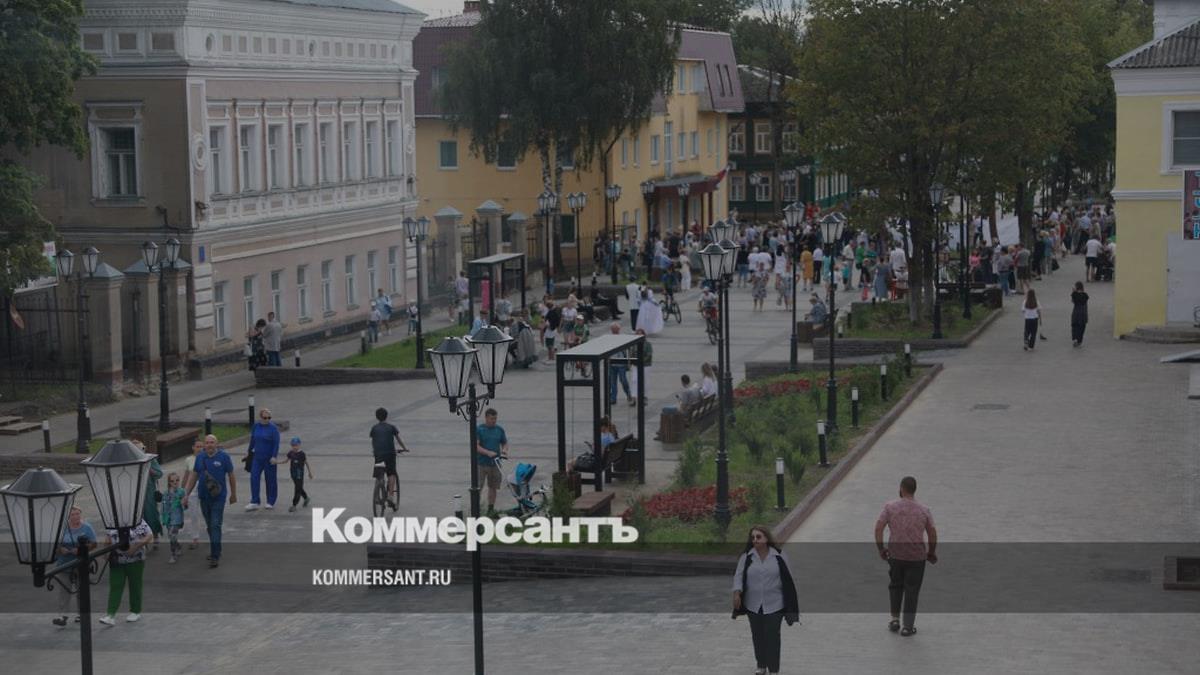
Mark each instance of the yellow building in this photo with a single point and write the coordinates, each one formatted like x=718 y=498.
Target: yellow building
x=684 y=142
x=1158 y=138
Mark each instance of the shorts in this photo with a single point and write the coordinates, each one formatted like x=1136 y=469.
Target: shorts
x=1090 y=261
x=1023 y=273
x=490 y=474
x=389 y=463
x=549 y=340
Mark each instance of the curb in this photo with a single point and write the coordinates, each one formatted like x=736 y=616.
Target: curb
x=788 y=526
x=983 y=325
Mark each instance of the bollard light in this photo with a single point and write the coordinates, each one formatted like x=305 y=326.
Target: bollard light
x=207 y=421
x=883 y=381
x=822 y=444
x=297 y=358
x=779 y=499
x=46 y=435
x=458 y=507
x=854 y=406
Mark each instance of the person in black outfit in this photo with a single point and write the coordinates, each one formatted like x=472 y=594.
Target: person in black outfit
x=1079 y=314
x=384 y=450
x=764 y=591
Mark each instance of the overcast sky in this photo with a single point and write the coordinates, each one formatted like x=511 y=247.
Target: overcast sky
x=435 y=8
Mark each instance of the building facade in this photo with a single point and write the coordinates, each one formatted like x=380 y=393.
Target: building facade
x=1158 y=138
x=274 y=138
x=683 y=142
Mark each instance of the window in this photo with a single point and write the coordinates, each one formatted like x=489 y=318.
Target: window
x=372 y=143
x=327 y=286
x=324 y=158
x=654 y=149
x=787 y=189
x=448 y=154
x=302 y=291
x=762 y=137
x=216 y=161
x=220 y=315
x=247 y=158
x=1185 y=137
x=737 y=188
x=248 y=301
x=437 y=78
x=681 y=78
x=699 y=82
x=566 y=155
x=300 y=142
x=277 y=294
x=351 y=287
x=371 y=273
x=506 y=156
x=637 y=150
x=393 y=269
x=695 y=144
x=737 y=139
x=350 y=169
x=668 y=153
x=275 y=157
x=568 y=229
x=624 y=152
x=393 y=147
x=709 y=142
x=682 y=140
x=120 y=162
x=791 y=138
x=762 y=189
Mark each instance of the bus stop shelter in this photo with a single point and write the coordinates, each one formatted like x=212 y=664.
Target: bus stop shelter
x=598 y=353
x=486 y=281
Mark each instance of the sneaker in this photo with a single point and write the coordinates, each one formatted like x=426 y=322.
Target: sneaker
x=894 y=625
x=252 y=506
x=292 y=508
x=107 y=620
x=213 y=562
x=391 y=505
x=632 y=402
x=306 y=501
x=59 y=621
x=908 y=630
x=173 y=560
x=270 y=507
x=133 y=617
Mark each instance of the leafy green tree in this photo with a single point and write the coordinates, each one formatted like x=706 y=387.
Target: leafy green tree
x=552 y=76
x=40 y=60
x=710 y=14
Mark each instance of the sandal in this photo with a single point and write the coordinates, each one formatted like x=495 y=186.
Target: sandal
x=894 y=625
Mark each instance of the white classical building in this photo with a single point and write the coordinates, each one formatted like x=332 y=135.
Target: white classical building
x=274 y=138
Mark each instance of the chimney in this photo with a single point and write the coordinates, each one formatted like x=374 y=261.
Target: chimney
x=470 y=6
x=1171 y=15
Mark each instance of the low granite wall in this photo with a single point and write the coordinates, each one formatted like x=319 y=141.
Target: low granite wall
x=309 y=377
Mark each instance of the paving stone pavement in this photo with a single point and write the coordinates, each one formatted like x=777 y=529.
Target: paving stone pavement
x=1097 y=444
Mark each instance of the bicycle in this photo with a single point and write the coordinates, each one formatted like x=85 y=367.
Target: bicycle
x=671 y=308
x=712 y=325
x=380 y=492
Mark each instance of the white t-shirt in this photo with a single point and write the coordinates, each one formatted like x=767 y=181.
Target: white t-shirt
x=1093 y=248
x=899 y=258
x=1030 y=313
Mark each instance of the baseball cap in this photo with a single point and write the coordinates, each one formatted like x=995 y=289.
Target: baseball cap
x=295 y=440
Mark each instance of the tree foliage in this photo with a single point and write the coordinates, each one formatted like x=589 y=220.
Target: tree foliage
x=40 y=59
x=710 y=14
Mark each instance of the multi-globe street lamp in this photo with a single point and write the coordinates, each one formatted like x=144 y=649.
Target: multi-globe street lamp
x=485 y=352
x=150 y=256
x=936 y=192
x=648 y=194
x=722 y=232
x=547 y=206
x=684 y=189
x=794 y=215
x=613 y=193
x=38 y=504
x=66 y=264
x=576 y=201
x=417 y=231
x=832 y=225
x=718 y=267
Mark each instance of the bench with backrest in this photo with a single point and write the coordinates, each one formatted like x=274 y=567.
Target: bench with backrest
x=624 y=453
x=698 y=415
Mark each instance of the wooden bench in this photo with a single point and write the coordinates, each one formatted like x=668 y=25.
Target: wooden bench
x=806 y=331
x=597 y=504
x=622 y=457
x=699 y=414
x=174 y=444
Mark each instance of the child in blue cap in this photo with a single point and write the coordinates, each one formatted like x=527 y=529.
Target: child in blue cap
x=297 y=465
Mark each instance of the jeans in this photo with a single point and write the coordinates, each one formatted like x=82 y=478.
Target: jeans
x=764 y=631
x=904 y=587
x=1031 y=332
x=1003 y=282
x=273 y=359
x=633 y=315
x=373 y=331
x=298 y=492
x=213 y=510
x=117 y=575
x=618 y=373
x=257 y=469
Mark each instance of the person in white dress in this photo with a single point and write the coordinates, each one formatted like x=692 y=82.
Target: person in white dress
x=685 y=270
x=650 y=317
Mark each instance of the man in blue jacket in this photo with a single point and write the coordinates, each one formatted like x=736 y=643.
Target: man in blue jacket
x=264 y=447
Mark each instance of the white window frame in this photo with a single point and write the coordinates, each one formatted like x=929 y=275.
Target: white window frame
x=393 y=269
x=791 y=138
x=500 y=165
x=637 y=150
x=249 y=282
x=276 y=281
x=763 y=143
x=303 y=175
x=737 y=139
x=681 y=139
x=654 y=144
x=277 y=157
x=123 y=157
x=699 y=82
x=219 y=178
x=392 y=130
x=371 y=143
x=96 y=128
x=1169 y=166
x=350 y=143
x=762 y=189
x=248 y=171
x=624 y=152
x=681 y=78
x=371 y=272
x=695 y=144
x=351 y=283
x=325 y=144
x=220 y=311
x=788 y=190
x=302 y=291
x=737 y=187
x=327 y=286
x=441 y=165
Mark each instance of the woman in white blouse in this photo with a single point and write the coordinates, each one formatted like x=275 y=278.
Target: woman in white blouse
x=763 y=590
x=708 y=383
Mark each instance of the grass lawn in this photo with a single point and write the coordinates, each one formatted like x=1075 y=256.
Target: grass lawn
x=886 y=320
x=221 y=431
x=37 y=401
x=401 y=354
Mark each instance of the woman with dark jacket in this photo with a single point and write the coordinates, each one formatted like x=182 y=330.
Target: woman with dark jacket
x=763 y=590
x=1079 y=314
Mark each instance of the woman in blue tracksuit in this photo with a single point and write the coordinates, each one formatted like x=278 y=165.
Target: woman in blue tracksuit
x=264 y=446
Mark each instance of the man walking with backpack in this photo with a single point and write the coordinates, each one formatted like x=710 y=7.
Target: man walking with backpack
x=906 y=553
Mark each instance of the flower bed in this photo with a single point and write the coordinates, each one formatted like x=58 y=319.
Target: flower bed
x=689 y=505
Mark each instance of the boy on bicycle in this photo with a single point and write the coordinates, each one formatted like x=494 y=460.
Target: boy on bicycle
x=670 y=280
x=382 y=446
x=708 y=304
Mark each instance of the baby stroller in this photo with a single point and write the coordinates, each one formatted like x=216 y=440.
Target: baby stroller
x=1104 y=266
x=523 y=350
x=529 y=502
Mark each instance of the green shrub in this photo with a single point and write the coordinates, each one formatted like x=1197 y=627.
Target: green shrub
x=562 y=499
x=814 y=394
x=795 y=463
x=757 y=497
x=691 y=462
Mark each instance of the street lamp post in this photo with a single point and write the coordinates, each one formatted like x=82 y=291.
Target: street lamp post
x=576 y=201
x=725 y=231
x=794 y=214
x=38 y=504
x=936 y=192
x=150 y=257
x=613 y=193
x=487 y=350
x=684 y=189
x=832 y=224
x=417 y=231
x=66 y=264
x=547 y=205
x=718 y=262
x=963 y=278
x=648 y=188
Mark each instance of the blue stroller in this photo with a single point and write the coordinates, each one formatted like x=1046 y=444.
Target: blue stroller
x=529 y=502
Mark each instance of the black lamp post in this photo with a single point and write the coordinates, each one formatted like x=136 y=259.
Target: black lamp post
x=576 y=201
x=66 y=264
x=832 y=224
x=794 y=214
x=487 y=351
x=684 y=189
x=417 y=231
x=648 y=189
x=548 y=205
x=150 y=257
x=613 y=193
x=718 y=262
x=936 y=192
x=39 y=503
x=963 y=277
x=725 y=231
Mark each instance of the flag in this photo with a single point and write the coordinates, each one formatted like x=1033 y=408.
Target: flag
x=720 y=176
x=17 y=320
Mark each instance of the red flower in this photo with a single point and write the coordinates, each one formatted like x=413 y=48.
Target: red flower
x=689 y=504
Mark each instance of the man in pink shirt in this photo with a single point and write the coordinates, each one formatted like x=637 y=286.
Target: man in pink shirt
x=906 y=553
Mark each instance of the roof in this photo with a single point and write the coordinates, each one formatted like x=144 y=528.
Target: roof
x=1180 y=49
x=720 y=65
x=497 y=259
x=362 y=5
x=756 y=85
x=600 y=347
x=464 y=20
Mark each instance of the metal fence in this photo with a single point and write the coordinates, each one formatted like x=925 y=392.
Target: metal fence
x=31 y=343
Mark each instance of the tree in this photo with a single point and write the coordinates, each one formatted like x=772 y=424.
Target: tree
x=904 y=94
x=557 y=76
x=708 y=14
x=40 y=60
